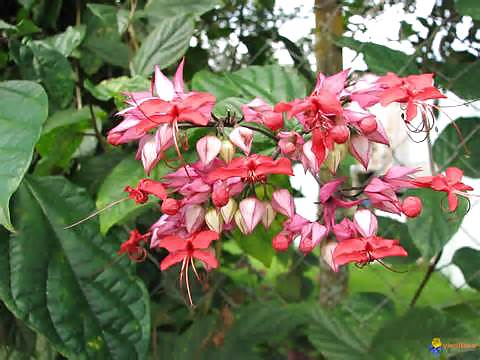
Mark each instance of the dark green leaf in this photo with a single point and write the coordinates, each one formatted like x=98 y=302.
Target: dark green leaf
x=410 y=336
x=334 y=338
x=448 y=149
x=435 y=226
x=461 y=78
x=216 y=84
x=172 y=8
x=69 y=285
x=468 y=8
x=164 y=45
x=23 y=110
x=381 y=59
x=468 y=260
x=115 y=87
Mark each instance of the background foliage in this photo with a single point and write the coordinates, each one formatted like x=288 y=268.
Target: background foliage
x=66 y=293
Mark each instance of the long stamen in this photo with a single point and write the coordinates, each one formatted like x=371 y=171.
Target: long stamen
x=390 y=268
x=181 y=272
x=195 y=270
x=95 y=213
x=187 y=282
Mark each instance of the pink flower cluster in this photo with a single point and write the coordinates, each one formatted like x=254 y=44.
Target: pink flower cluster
x=219 y=192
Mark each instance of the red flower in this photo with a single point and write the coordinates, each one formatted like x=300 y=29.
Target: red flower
x=449 y=183
x=132 y=246
x=412 y=90
x=144 y=188
x=182 y=250
x=367 y=248
x=252 y=168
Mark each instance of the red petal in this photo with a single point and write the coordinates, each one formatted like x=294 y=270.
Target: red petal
x=392 y=95
x=411 y=111
x=280 y=166
x=454 y=175
x=172 y=259
x=207 y=257
x=452 y=201
x=153 y=187
x=203 y=239
x=172 y=243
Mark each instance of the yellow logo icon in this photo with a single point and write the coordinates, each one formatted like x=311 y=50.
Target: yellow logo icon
x=436 y=342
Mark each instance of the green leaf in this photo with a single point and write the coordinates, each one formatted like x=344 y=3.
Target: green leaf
x=448 y=150
x=381 y=59
x=468 y=8
x=172 y=8
x=23 y=110
x=128 y=172
x=115 y=87
x=409 y=336
x=69 y=285
x=67 y=41
x=167 y=43
x=272 y=83
x=435 y=226
x=110 y=14
x=468 y=260
x=334 y=338
x=393 y=229
x=460 y=77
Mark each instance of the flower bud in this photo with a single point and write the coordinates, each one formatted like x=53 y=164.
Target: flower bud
x=227 y=151
x=412 y=206
x=220 y=194
x=170 y=206
x=194 y=217
x=335 y=157
x=281 y=241
x=340 y=134
x=228 y=211
x=326 y=251
x=214 y=220
x=208 y=148
x=269 y=215
x=368 y=125
x=240 y=222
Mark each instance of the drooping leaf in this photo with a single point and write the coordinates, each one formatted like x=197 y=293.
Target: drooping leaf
x=468 y=260
x=164 y=46
x=448 y=149
x=435 y=226
x=69 y=285
x=381 y=59
x=116 y=88
x=409 y=336
x=23 y=110
x=172 y=8
x=128 y=172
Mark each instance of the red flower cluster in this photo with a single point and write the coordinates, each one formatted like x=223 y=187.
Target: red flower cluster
x=218 y=192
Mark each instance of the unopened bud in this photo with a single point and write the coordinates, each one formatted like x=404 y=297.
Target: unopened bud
x=269 y=215
x=170 y=206
x=326 y=251
x=227 y=151
x=340 y=134
x=335 y=157
x=412 y=206
x=240 y=222
x=214 y=220
x=228 y=211
x=368 y=125
x=281 y=241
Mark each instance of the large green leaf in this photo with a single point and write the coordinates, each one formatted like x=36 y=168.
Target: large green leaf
x=164 y=45
x=23 y=109
x=336 y=339
x=128 y=172
x=381 y=59
x=409 y=336
x=272 y=83
x=468 y=260
x=435 y=226
x=69 y=285
x=448 y=149
x=171 y=8
x=468 y=8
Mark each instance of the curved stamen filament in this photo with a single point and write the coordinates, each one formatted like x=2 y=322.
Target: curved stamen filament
x=95 y=213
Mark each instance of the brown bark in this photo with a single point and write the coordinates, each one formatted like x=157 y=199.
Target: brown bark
x=328 y=25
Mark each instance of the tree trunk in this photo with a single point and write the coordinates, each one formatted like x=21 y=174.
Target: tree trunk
x=328 y=24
